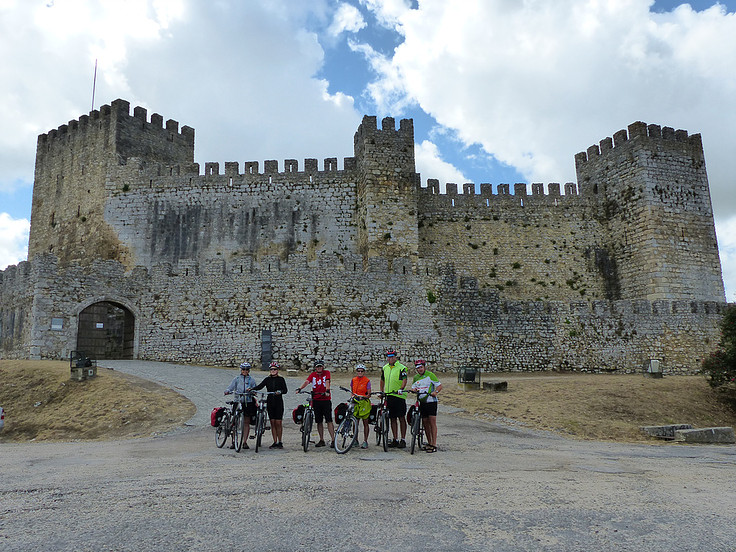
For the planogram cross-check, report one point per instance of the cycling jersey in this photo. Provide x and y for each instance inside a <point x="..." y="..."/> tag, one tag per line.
<point x="425" y="384"/>
<point x="392" y="377"/>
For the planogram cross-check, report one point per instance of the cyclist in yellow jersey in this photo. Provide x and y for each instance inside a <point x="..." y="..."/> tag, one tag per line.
<point x="393" y="382"/>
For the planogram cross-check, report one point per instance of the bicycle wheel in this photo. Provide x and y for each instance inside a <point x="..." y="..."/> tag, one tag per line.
<point x="307" y="429"/>
<point x="346" y="434"/>
<point x="378" y="428"/>
<point x="221" y="432"/>
<point x="384" y="430"/>
<point x="260" y="426"/>
<point x="416" y="431"/>
<point x="239" y="430"/>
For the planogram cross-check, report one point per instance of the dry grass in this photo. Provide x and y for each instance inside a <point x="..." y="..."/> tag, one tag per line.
<point x="598" y="406"/>
<point x="42" y="403"/>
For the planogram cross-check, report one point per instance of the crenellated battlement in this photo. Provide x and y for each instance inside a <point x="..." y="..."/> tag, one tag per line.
<point x="640" y="134"/>
<point x="523" y="194"/>
<point x="291" y="167"/>
<point x="118" y="112"/>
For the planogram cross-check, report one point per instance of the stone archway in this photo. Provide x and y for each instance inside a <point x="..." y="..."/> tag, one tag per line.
<point x="106" y="330"/>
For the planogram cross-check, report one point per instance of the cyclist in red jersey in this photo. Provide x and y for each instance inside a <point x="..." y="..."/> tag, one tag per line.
<point x="322" y="403"/>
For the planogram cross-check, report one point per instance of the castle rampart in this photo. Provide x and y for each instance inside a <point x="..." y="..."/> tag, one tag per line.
<point x="196" y="263"/>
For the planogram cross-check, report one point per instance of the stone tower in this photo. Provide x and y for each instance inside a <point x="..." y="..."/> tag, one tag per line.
<point x="74" y="164"/>
<point x="652" y="192"/>
<point x="386" y="189"/>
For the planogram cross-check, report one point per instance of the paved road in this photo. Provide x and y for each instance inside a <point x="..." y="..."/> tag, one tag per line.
<point x="490" y="488"/>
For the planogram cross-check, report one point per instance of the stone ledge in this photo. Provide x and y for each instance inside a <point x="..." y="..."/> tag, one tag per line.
<point x="714" y="435"/>
<point x="664" y="431"/>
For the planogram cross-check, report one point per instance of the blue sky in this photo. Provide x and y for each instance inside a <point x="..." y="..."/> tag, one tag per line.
<point x="499" y="90"/>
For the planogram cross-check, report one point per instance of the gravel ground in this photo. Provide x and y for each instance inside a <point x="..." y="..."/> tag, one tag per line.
<point x="490" y="487"/>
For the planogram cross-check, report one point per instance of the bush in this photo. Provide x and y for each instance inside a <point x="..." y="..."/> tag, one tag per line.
<point x="720" y="367"/>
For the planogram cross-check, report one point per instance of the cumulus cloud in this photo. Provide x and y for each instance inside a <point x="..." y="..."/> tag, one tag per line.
<point x="347" y="19"/>
<point x="533" y="83"/>
<point x="13" y="240"/>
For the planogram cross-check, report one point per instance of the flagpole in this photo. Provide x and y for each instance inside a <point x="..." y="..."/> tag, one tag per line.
<point x="94" y="85"/>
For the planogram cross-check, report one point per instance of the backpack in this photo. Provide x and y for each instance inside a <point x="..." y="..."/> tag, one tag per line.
<point x="216" y="415"/>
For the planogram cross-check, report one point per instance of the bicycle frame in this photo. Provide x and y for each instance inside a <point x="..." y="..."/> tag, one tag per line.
<point x="346" y="434"/>
<point x="382" y="422"/>
<point x="307" y="420"/>
<point x="261" y="417"/>
<point x="417" y="425"/>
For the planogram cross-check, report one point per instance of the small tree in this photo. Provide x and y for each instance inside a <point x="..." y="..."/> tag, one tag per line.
<point x="720" y="367"/>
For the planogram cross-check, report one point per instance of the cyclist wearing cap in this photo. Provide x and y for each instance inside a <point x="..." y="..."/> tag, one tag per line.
<point x="322" y="403"/>
<point x="428" y="386"/>
<point x="275" y="403"/>
<point x="242" y="384"/>
<point x="360" y="386"/>
<point x="393" y="382"/>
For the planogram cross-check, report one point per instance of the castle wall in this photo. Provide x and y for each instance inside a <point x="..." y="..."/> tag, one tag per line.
<point x="541" y="246"/>
<point x="167" y="218"/>
<point x="16" y="307"/>
<point x="214" y="314"/>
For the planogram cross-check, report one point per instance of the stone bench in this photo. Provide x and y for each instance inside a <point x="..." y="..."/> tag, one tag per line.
<point x="664" y="431"/>
<point x="495" y="385"/>
<point x="708" y="435"/>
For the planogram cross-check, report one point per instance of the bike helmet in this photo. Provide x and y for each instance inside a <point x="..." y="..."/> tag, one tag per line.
<point x="390" y="353"/>
<point x="274" y="364"/>
<point x="245" y="366"/>
<point x="420" y="362"/>
<point x="360" y="367"/>
<point x="319" y="362"/>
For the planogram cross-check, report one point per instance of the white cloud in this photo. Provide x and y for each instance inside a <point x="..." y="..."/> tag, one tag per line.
<point x="534" y="83"/>
<point x="726" y="232"/>
<point x="388" y="12"/>
<point x="430" y="165"/>
<point x="13" y="240"/>
<point x="347" y="19"/>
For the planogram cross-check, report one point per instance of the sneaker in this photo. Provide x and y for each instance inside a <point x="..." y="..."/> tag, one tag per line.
<point x="320" y="444"/>
<point x="402" y="444"/>
<point x="393" y="444"/>
<point x="364" y="445"/>
<point x="232" y="446"/>
<point x="332" y="444"/>
<point x="275" y="445"/>
<point x="280" y="444"/>
<point x="245" y="446"/>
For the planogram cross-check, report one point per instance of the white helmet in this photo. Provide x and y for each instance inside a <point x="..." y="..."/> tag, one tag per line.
<point x="360" y="367"/>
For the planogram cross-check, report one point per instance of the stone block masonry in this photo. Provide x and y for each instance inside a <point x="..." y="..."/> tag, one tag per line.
<point x="343" y="259"/>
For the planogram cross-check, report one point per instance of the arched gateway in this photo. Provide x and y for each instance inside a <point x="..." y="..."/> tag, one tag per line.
<point x="106" y="331"/>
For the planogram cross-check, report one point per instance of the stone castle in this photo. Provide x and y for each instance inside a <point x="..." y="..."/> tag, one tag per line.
<point x="135" y="252"/>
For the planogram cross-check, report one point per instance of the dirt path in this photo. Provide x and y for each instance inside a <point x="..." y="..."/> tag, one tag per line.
<point x="489" y="488"/>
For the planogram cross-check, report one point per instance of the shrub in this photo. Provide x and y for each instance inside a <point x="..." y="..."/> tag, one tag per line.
<point x="431" y="297"/>
<point x="720" y="367"/>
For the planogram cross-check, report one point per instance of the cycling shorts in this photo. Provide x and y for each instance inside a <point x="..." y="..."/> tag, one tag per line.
<point x="322" y="410"/>
<point x="396" y="406"/>
<point x="428" y="409"/>
<point x="275" y="410"/>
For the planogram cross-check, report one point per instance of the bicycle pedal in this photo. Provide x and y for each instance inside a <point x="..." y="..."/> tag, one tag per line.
<point x="267" y="428"/>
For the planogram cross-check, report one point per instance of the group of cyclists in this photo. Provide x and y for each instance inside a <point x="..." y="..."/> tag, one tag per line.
<point x="394" y="384"/>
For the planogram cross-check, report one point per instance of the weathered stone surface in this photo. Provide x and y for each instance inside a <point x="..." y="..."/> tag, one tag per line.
<point x="495" y="385"/>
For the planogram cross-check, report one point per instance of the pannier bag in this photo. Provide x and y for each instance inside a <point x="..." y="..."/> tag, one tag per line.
<point x="340" y="411"/>
<point x="298" y="414"/>
<point x="362" y="409"/>
<point x="374" y="414"/>
<point x="410" y="414"/>
<point x="216" y="416"/>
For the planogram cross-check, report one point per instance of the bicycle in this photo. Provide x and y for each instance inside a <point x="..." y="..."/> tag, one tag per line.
<point x="261" y="417"/>
<point x="307" y="419"/>
<point x="416" y="424"/>
<point x="346" y="434"/>
<point x="382" y="422"/>
<point x="232" y="423"/>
